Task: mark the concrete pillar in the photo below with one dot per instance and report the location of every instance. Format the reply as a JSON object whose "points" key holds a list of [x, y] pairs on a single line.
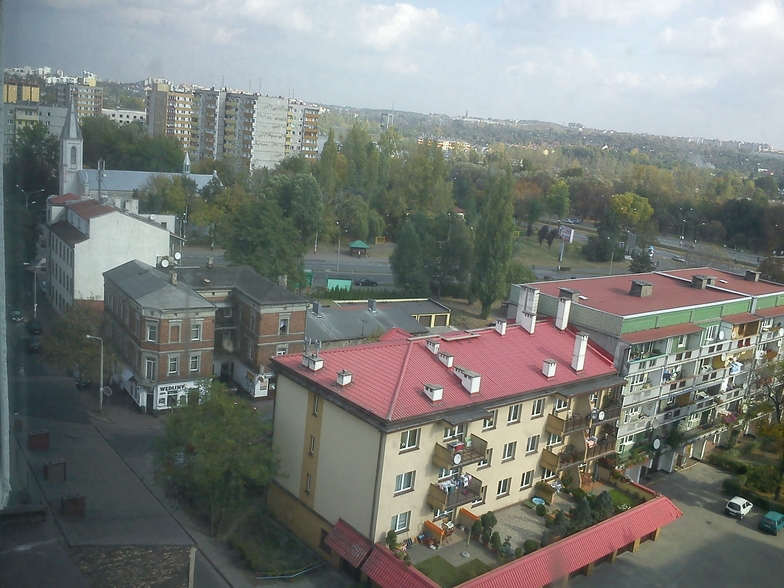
{"points": [[655, 534], [635, 545], [613, 556], [588, 570]]}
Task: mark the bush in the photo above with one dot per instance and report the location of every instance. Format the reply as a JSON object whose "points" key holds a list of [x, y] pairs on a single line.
{"points": [[495, 541], [391, 540], [728, 462], [529, 546], [541, 510], [519, 551], [476, 530], [732, 486], [579, 494], [488, 520], [762, 478]]}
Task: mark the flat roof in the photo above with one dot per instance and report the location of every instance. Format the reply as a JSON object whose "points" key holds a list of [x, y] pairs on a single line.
{"points": [[741, 318], [731, 281], [770, 312], [661, 333]]}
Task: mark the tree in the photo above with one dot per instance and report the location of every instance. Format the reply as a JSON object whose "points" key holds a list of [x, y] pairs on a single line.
{"points": [[68, 347], [164, 194], [33, 165], [541, 234], [770, 384], [582, 517], [641, 263], [772, 268], [216, 452], [447, 251], [631, 210], [772, 434], [407, 263], [557, 199], [603, 507], [258, 235], [300, 200], [493, 249], [327, 174]]}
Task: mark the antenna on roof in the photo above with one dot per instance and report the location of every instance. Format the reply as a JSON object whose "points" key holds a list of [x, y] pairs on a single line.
{"points": [[307, 343], [318, 346]]}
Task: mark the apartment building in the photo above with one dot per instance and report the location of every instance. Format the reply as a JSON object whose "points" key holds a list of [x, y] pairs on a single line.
{"points": [[88, 100], [302, 127], [162, 333], [123, 116], [395, 434], [21, 91], [170, 113], [687, 342]]}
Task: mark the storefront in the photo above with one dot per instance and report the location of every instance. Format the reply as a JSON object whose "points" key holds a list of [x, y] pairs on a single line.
{"points": [[171, 395]]}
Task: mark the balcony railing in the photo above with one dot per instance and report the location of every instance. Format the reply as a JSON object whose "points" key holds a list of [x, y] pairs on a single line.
{"points": [[559, 426], [449, 494], [555, 462], [604, 446], [473, 450]]}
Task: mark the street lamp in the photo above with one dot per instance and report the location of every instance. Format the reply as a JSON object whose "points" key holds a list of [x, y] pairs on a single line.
{"points": [[35, 287], [337, 269], [27, 196], [612, 254], [100, 387]]}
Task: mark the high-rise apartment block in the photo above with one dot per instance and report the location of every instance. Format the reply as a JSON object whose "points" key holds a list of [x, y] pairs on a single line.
{"points": [[88, 99], [170, 113], [302, 130]]}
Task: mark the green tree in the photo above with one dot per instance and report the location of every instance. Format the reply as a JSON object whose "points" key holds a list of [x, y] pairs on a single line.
{"points": [[407, 263], [300, 200], [258, 235], [216, 452], [582, 517], [641, 263], [772, 434], [770, 384], [772, 268], [327, 172], [163, 194], [603, 507], [631, 209], [446, 250], [493, 248], [32, 165], [557, 199], [67, 345]]}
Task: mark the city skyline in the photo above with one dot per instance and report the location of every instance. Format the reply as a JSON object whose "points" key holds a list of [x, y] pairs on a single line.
{"points": [[678, 68]]}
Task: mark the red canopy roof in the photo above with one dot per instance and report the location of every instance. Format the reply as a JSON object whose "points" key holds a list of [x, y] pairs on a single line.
{"points": [[388, 571], [348, 543], [661, 333], [740, 319]]}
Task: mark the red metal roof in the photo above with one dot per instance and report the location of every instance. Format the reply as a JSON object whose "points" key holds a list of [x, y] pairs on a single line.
{"points": [[741, 318], [770, 312], [575, 552], [730, 281], [388, 571], [661, 333], [88, 209], [388, 378], [395, 334], [63, 198], [348, 543]]}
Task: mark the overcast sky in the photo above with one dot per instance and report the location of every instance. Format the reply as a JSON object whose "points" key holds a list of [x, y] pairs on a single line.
{"points": [[708, 68]]}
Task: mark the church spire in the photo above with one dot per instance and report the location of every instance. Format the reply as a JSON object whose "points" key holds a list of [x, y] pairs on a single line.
{"points": [[186, 164], [71, 151], [71, 128]]}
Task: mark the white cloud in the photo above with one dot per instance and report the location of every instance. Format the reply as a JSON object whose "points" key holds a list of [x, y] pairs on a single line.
{"points": [[615, 11]]}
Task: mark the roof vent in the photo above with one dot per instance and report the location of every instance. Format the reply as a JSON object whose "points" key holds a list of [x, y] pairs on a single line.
{"points": [[434, 392], [433, 346], [372, 306], [173, 277], [317, 308], [446, 358], [206, 280], [641, 288], [500, 326], [752, 276], [548, 367], [469, 379], [569, 294], [344, 378], [312, 361], [699, 281]]}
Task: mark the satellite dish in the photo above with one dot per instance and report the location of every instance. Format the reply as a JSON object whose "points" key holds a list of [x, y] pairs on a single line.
{"points": [[177, 255], [594, 414], [152, 217], [457, 458], [601, 415], [780, 333], [165, 262], [656, 443], [721, 335], [724, 357]]}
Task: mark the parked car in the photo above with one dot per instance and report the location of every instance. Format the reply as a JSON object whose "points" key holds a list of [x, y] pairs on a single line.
{"points": [[34, 327], [772, 522], [738, 507], [679, 258], [82, 382], [365, 282], [33, 345], [16, 316], [573, 221]]}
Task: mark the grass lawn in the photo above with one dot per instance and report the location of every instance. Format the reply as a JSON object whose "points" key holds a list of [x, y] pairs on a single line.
{"points": [[619, 498], [527, 251], [446, 575]]}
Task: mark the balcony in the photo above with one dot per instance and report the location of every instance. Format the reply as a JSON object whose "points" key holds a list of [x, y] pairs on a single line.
{"points": [[559, 426], [447, 494], [473, 450], [605, 446], [568, 456]]}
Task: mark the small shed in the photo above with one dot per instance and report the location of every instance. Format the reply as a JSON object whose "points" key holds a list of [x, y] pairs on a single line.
{"points": [[358, 248]]}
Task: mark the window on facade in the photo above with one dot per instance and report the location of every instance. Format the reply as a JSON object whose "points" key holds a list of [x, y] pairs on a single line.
{"points": [[73, 155], [174, 333], [503, 487], [532, 445], [711, 332], [547, 474], [527, 480], [283, 325], [174, 364], [561, 404], [482, 496], [152, 328], [441, 514], [195, 361], [315, 405], [312, 449], [486, 461], [308, 482], [149, 369], [681, 341], [538, 407], [631, 413], [444, 473], [250, 350], [514, 413], [400, 521], [454, 432], [489, 422], [409, 439], [195, 331], [553, 439], [282, 349], [404, 482], [227, 313], [509, 450]]}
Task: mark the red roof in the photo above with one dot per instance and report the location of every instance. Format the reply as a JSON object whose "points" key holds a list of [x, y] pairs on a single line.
{"points": [[63, 198], [388, 378], [348, 543], [741, 318], [661, 333], [395, 334], [730, 281], [576, 551], [386, 570], [88, 209], [770, 312]]}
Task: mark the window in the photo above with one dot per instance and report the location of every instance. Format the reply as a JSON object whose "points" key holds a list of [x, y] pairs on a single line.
{"points": [[631, 413], [514, 413], [195, 331], [409, 439], [489, 422], [315, 405], [312, 449], [454, 432], [503, 487], [711, 332], [149, 369], [308, 482], [195, 361], [538, 407], [399, 522], [152, 330], [441, 514], [561, 404], [527, 479], [553, 439], [547, 474], [227, 313], [282, 349], [174, 364], [404, 482], [532, 445], [637, 379], [482, 496], [681, 341], [73, 155], [444, 473], [250, 350], [486, 461], [509, 450], [283, 324], [174, 333]]}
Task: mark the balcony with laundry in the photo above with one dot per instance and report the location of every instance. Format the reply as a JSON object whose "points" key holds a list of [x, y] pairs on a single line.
{"points": [[458, 452], [450, 493]]}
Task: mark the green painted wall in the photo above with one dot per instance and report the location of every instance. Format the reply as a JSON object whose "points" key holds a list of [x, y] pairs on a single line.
{"points": [[736, 307]]}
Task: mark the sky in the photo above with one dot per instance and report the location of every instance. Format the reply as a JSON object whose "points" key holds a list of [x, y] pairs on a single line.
{"points": [[697, 68]]}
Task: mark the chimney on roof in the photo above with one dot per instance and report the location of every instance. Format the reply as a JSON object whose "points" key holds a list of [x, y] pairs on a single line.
{"points": [[317, 308], [312, 361], [568, 293], [372, 306], [527, 307], [699, 281], [173, 278], [562, 314], [500, 326], [434, 392], [344, 378], [283, 281], [548, 367], [580, 348], [210, 261], [752, 276], [433, 346], [469, 379], [446, 358], [641, 288]]}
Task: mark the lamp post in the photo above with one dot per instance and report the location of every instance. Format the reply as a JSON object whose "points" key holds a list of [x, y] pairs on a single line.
{"points": [[337, 269], [612, 254], [100, 386], [35, 288], [27, 196]]}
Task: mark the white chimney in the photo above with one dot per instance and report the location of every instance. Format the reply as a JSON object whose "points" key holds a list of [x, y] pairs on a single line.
{"points": [[344, 378], [548, 367], [446, 358], [528, 299], [433, 346], [526, 320], [500, 326], [469, 379], [562, 316], [434, 392], [312, 361], [578, 355]]}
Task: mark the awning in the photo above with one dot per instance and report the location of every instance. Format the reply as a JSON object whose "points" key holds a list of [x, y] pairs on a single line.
{"points": [[348, 543], [741, 318], [583, 387], [466, 415], [661, 333], [770, 312]]}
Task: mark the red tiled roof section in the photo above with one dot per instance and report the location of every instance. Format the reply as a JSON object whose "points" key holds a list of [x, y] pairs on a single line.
{"points": [[388, 378], [63, 198], [731, 281], [395, 334], [348, 543], [575, 552], [88, 209], [770, 312], [611, 293], [388, 571], [661, 333], [740, 319]]}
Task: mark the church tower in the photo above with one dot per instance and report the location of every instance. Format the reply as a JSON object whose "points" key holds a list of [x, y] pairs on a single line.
{"points": [[186, 165], [71, 152]]}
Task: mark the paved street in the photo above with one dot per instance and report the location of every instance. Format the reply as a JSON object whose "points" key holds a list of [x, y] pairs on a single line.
{"points": [[702, 549]]}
